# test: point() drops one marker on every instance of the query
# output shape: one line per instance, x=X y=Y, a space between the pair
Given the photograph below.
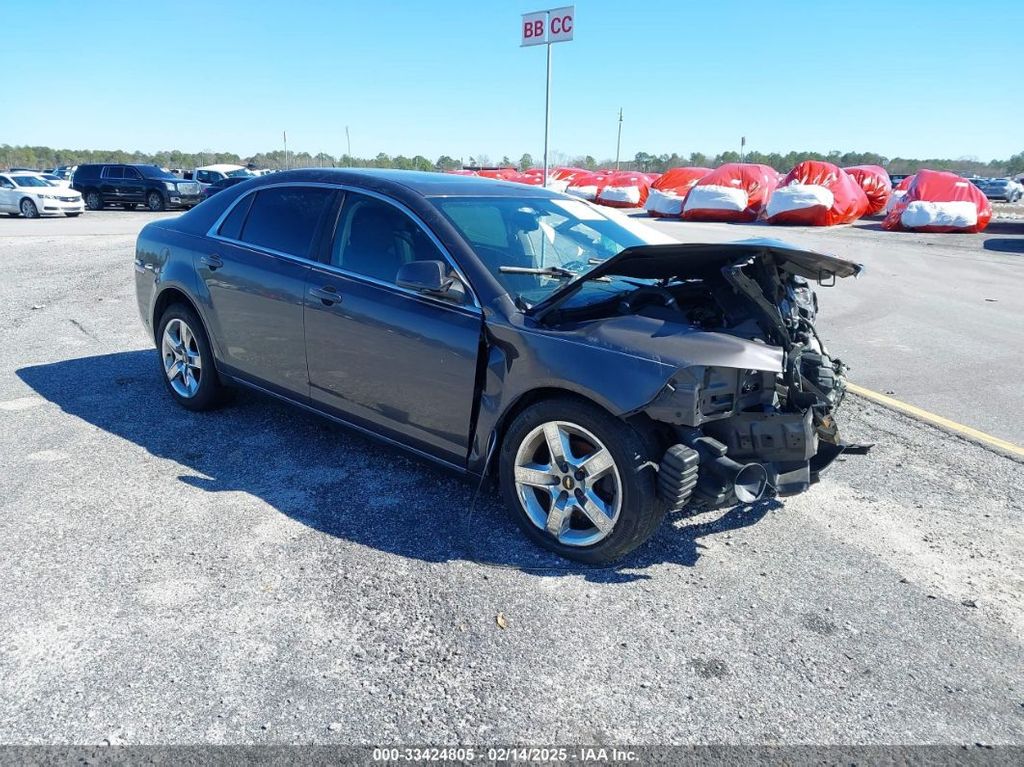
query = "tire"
x=207 y=393
x=636 y=513
x=155 y=202
x=93 y=200
x=28 y=209
x=72 y=215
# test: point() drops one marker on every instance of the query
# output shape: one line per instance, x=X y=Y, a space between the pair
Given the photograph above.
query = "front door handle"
x=212 y=262
x=328 y=294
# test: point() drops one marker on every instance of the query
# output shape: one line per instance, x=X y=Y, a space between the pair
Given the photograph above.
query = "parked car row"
x=94 y=186
x=1005 y=189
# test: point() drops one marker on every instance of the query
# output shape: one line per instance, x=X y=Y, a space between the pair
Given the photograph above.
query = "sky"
x=908 y=78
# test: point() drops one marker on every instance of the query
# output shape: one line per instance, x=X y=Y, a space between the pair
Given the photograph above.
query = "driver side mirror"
x=433 y=279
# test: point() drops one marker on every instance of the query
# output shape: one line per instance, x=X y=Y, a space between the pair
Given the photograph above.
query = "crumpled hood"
x=695 y=260
x=676 y=344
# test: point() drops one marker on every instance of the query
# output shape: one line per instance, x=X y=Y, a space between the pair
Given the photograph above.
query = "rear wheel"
x=155 y=201
x=29 y=209
x=93 y=201
x=186 y=361
x=576 y=480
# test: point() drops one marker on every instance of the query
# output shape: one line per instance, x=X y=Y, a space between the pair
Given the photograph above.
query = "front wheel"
x=155 y=202
x=29 y=209
x=578 y=480
x=72 y=215
x=93 y=201
x=186 y=361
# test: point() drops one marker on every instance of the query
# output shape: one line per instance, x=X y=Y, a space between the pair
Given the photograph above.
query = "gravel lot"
x=257 y=575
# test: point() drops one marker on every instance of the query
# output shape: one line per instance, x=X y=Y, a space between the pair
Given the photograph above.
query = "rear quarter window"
x=231 y=227
x=286 y=219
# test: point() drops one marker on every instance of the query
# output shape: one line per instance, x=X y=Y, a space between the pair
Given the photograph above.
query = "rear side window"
x=87 y=171
x=286 y=218
x=232 y=225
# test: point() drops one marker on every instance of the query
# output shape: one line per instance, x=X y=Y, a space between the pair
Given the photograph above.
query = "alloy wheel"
x=28 y=209
x=568 y=483
x=183 y=363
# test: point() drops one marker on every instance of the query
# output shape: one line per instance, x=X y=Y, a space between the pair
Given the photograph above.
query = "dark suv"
x=133 y=185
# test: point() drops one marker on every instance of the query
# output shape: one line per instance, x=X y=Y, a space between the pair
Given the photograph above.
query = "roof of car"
x=423 y=183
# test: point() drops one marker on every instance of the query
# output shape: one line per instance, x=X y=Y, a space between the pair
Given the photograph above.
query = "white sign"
x=553 y=26
x=561 y=22
x=534 y=28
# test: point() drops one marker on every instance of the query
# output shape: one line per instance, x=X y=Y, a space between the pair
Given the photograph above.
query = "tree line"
x=41 y=157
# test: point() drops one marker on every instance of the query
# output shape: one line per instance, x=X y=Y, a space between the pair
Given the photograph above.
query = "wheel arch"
x=639 y=421
x=168 y=297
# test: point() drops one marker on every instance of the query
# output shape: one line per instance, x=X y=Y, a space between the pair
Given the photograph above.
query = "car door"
x=252 y=272
x=390 y=359
x=110 y=183
x=7 y=195
x=132 y=187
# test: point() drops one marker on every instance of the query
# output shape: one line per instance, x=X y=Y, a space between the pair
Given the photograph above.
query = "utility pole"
x=618 y=142
x=284 y=134
x=743 y=144
x=348 y=141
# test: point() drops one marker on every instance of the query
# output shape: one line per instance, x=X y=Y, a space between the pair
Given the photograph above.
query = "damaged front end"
x=759 y=419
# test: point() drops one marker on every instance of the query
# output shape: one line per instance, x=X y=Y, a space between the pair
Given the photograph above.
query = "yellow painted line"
x=937 y=420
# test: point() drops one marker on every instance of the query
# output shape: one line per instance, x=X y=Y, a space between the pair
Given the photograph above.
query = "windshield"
x=29 y=181
x=236 y=173
x=151 y=171
x=564 y=237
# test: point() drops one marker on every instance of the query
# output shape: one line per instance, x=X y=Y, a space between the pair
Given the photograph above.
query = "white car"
x=31 y=196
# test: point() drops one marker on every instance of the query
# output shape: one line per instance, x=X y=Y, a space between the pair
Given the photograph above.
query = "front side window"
x=374 y=239
x=113 y=172
x=286 y=218
x=131 y=173
x=564 y=237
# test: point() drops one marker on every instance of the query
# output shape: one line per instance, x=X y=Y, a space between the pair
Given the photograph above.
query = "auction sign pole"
x=555 y=25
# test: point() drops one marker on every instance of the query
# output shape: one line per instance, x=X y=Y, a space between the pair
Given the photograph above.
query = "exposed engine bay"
x=743 y=418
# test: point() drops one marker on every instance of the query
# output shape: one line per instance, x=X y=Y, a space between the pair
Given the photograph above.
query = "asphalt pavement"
x=257 y=575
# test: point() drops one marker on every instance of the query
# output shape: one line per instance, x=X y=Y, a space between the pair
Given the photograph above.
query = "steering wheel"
x=644 y=293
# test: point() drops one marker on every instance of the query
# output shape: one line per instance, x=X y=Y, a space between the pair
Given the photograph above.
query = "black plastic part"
x=677 y=476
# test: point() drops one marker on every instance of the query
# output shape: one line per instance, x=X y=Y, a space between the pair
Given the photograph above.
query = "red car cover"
x=732 y=192
x=502 y=173
x=898 y=192
x=587 y=185
x=670 y=189
x=876 y=185
x=816 y=194
x=938 y=201
x=625 y=189
x=533 y=179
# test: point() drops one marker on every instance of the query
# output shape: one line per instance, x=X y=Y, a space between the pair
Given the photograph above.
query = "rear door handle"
x=213 y=262
x=328 y=294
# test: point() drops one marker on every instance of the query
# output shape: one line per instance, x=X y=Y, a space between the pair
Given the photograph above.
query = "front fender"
x=521 y=360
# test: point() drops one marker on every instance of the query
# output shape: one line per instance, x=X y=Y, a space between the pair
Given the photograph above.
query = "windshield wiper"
x=544 y=271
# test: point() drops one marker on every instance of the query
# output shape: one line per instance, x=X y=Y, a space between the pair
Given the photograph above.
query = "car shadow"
x=1005 y=244
x=333 y=479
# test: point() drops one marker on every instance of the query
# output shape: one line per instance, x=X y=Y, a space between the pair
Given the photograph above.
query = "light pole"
x=555 y=25
x=618 y=142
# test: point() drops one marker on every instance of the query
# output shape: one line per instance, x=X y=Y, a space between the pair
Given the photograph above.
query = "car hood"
x=693 y=260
